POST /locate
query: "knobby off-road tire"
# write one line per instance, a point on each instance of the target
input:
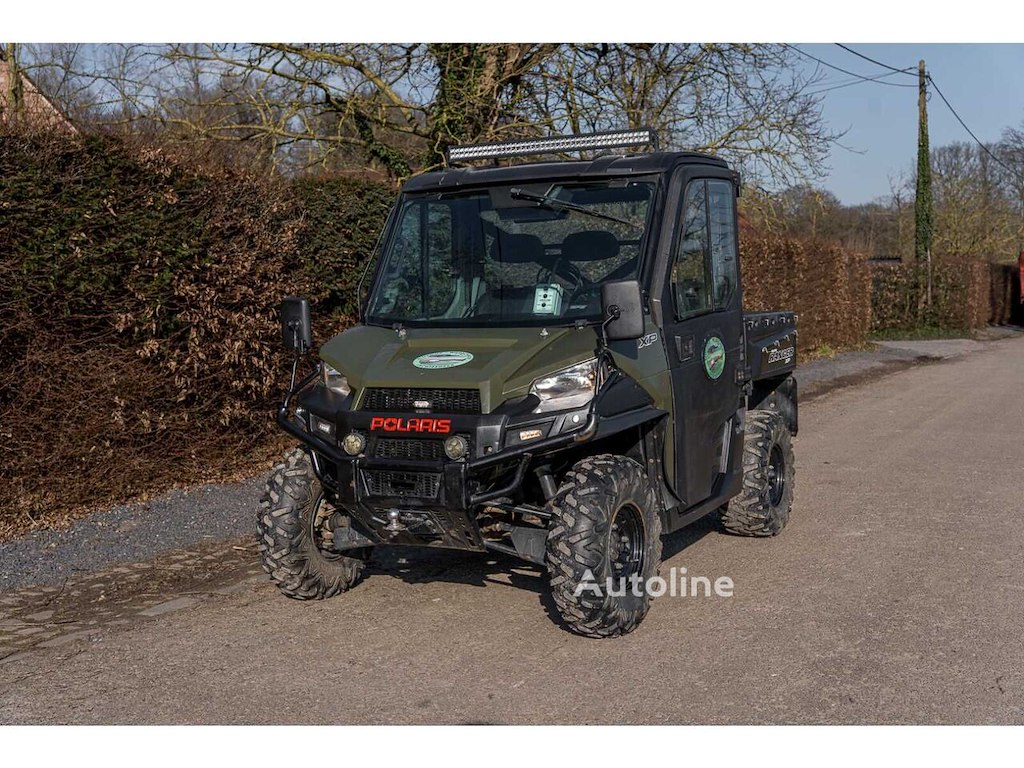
(762, 506)
(288, 550)
(600, 499)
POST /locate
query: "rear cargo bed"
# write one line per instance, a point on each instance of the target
(771, 343)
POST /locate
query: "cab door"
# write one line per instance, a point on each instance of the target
(704, 332)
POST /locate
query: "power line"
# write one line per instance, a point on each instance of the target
(960, 120)
(907, 71)
(863, 78)
(857, 81)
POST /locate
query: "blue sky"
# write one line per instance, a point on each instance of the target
(983, 82)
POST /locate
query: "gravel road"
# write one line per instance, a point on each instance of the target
(129, 533)
(894, 596)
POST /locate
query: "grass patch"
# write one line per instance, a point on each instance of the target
(918, 333)
(822, 350)
(828, 352)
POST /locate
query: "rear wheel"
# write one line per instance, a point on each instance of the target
(762, 506)
(295, 526)
(603, 545)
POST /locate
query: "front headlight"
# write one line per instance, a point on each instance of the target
(334, 380)
(569, 388)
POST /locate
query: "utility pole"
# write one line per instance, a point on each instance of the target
(923, 201)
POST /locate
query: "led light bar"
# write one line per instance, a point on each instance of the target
(575, 143)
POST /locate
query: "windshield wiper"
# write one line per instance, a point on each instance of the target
(561, 205)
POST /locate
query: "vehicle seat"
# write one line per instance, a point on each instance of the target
(600, 247)
(513, 249)
(692, 296)
(595, 245)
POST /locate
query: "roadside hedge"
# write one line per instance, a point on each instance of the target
(138, 331)
(342, 218)
(828, 286)
(959, 298)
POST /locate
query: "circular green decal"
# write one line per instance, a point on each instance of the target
(714, 357)
(433, 360)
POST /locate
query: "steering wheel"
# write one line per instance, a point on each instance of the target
(581, 284)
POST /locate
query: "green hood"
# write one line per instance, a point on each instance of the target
(505, 360)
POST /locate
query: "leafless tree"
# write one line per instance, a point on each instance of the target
(1011, 151)
(745, 102)
(394, 107)
(974, 203)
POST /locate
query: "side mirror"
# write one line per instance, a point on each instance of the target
(296, 331)
(622, 307)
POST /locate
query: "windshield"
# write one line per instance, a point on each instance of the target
(517, 254)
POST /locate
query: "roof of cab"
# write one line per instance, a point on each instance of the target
(606, 165)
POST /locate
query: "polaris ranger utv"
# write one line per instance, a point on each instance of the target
(552, 362)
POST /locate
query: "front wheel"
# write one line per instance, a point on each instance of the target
(603, 546)
(295, 526)
(763, 504)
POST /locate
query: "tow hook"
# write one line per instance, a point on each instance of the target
(394, 526)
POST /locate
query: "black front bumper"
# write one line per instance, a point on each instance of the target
(424, 502)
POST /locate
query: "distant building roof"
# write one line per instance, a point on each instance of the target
(36, 109)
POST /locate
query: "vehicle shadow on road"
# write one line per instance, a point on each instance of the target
(477, 569)
(423, 565)
(481, 569)
(675, 543)
(419, 565)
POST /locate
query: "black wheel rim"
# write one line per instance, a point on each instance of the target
(627, 543)
(776, 476)
(320, 531)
